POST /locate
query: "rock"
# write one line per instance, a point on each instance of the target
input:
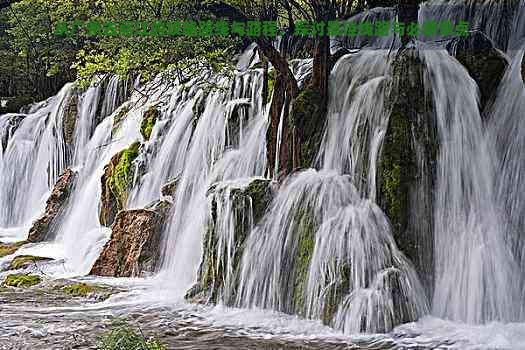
(308, 115)
(407, 165)
(69, 120)
(134, 246)
(21, 281)
(116, 181)
(8, 249)
(211, 279)
(148, 121)
(170, 188)
(22, 261)
(43, 227)
(119, 118)
(484, 62)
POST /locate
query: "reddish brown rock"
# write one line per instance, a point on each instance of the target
(134, 244)
(43, 227)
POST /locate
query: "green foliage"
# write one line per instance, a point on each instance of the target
(122, 336)
(21, 280)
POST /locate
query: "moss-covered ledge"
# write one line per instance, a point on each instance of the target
(21, 280)
(116, 182)
(148, 121)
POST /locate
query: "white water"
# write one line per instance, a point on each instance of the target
(479, 201)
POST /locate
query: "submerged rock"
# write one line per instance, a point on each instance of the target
(116, 181)
(8, 249)
(22, 261)
(234, 211)
(484, 62)
(55, 204)
(134, 246)
(407, 165)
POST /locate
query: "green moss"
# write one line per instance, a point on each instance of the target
(307, 116)
(8, 249)
(304, 231)
(22, 260)
(148, 121)
(120, 178)
(79, 289)
(121, 336)
(21, 280)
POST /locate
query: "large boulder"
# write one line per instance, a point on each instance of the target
(134, 246)
(243, 207)
(42, 228)
(484, 62)
(407, 165)
(116, 182)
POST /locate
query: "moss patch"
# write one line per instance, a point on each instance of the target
(23, 260)
(79, 289)
(21, 280)
(308, 118)
(271, 83)
(8, 249)
(148, 121)
(304, 231)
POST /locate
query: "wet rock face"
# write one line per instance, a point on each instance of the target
(407, 165)
(116, 181)
(484, 62)
(70, 118)
(251, 200)
(43, 227)
(148, 121)
(170, 187)
(133, 249)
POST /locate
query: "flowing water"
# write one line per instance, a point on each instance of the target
(356, 278)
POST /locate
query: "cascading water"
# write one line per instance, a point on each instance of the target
(323, 249)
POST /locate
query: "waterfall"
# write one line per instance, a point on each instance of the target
(325, 248)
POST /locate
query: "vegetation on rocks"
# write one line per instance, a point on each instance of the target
(21, 280)
(78, 289)
(116, 180)
(148, 121)
(122, 336)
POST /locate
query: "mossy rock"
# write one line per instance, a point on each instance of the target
(25, 260)
(484, 62)
(78, 289)
(304, 231)
(8, 249)
(148, 121)
(116, 181)
(70, 117)
(21, 280)
(308, 117)
(271, 83)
